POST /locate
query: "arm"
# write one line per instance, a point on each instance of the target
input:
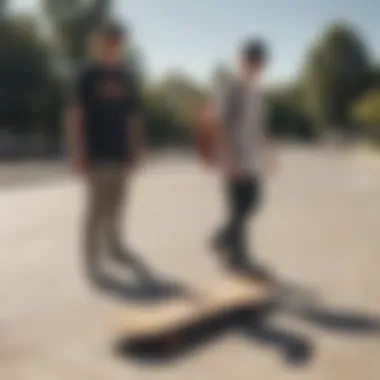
(135, 126)
(73, 125)
(224, 113)
(74, 137)
(270, 157)
(265, 147)
(137, 137)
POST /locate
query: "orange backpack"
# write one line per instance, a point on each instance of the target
(207, 132)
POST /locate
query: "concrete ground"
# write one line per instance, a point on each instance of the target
(319, 230)
(14, 174)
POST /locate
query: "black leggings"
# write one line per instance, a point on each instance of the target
(243, 198)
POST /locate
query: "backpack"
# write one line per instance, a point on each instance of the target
(207, 132)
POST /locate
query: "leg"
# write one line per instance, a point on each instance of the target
(243, 195)
(113, 223)
(116, 179)
(93, 224)
(242, 198)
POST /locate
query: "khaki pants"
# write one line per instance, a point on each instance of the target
(105, 193)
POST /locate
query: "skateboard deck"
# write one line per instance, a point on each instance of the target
(166, 322)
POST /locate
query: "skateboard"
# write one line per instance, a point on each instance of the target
(167, 324)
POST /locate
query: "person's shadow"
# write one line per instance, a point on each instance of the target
(306, 306)
(146, 284)
(252, 324)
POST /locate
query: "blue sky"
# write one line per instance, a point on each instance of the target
(193, 35)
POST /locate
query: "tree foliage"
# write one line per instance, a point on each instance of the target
(287, 118)
(334, 74)
(3, 7)
(220, 76)
(72, 21)
(25, 73)
(366, 110)
(172, 105)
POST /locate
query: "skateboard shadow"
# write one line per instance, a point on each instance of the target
(295, 347)
(184, 341)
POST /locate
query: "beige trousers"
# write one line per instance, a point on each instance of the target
(105, 197)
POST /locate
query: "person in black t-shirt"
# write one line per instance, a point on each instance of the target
(104, 140)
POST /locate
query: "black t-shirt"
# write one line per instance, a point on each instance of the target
(108, 97)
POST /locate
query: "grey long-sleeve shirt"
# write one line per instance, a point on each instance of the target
(241, 110)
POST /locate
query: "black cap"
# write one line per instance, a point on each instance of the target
(255, 51)
(112, 29)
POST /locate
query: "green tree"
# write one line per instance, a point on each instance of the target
(135, 61)
(334, 74)
(3, 7)
(25, 75)
(366, 111)
(72, 21)
(172, 105)
(286, 116)
(220, 76)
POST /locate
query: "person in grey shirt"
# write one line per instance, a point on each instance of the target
(240, 111)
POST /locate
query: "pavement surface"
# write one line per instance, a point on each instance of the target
(14, 174)
(319, 229)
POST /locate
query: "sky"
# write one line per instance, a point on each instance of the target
(194, 35)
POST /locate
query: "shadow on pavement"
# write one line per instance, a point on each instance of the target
(306, 306)
(157, 290)
(295, 347)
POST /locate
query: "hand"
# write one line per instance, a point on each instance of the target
(236, 174)
(79, 166)
(232, 170)
(270, 164)
(136, 160)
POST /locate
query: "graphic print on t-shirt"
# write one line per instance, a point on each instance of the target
(110, 89)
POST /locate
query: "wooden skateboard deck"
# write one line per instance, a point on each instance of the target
(166, 322)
